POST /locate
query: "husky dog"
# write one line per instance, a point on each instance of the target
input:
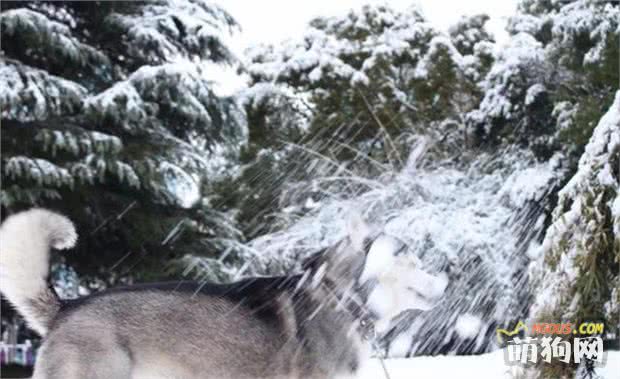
(310, 325)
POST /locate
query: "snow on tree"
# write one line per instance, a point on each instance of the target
(558, 52)
(577, 273)
(367, 69)
(364, 83)
(108, 112)
(518, 66)
(30, 94)
(468, 32)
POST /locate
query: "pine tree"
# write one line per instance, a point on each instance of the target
(108, 115)
(367, 77)
(355, 86)
(468, 32)
(344, 69)
(554, 78)
(578, 276)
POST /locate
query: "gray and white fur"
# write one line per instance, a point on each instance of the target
(299, 326)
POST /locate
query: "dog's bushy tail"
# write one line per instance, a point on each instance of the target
(25, 242)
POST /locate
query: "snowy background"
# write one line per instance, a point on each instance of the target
(222, 140)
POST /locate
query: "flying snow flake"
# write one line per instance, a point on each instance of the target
(468, 325)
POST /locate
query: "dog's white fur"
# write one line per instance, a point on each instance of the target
(25, 241)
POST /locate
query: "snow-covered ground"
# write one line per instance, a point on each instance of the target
(483, 366)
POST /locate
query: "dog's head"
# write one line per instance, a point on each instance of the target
(377, 268)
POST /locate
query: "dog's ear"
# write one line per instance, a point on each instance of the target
(358, 231)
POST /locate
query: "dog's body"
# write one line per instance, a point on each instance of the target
(301, 326)
(258, 328)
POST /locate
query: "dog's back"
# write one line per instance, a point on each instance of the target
(172, 330)
(258, 328)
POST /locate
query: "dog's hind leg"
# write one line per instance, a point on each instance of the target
(62, 361)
